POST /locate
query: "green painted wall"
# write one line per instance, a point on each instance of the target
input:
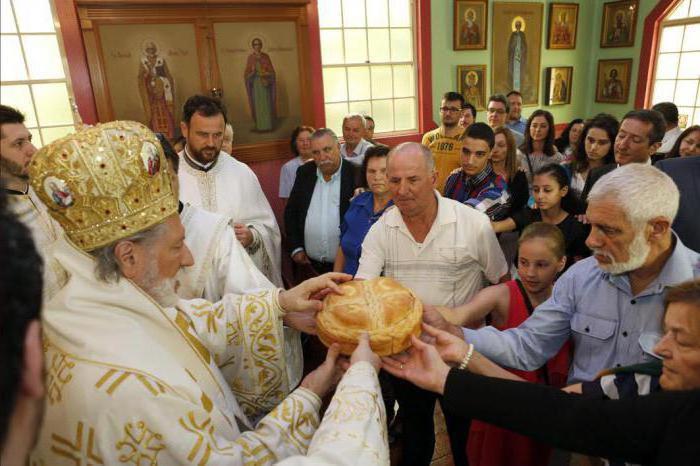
(584, 58)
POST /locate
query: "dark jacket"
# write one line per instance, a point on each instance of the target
(657, 429)
(593, 176)
(300, 199)
(685, 171)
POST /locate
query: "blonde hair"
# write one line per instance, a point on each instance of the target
(548, 232)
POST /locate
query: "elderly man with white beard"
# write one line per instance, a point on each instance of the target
(610, 304)
(133, 372)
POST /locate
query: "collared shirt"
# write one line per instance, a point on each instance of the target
(610, 326)
(669, 140)
(459, 254)
(487, 192)
(322, 227)
(196, 164)
(356, 223)
(288, 174)
(518, 125)
(358, 155)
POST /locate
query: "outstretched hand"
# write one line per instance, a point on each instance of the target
(433, 317)
(364, 352)
(325, 376)
(451, 349)
(420, 365)
(307, 296)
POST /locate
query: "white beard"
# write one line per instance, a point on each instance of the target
(638, 252)
(163, 290)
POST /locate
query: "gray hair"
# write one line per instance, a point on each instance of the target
(356, 116)
(321, 132)
(417, 147)
(642, 191)
(106, 266)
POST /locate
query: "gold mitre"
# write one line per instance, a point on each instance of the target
(104, 183)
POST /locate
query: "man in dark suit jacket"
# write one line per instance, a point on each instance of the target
(685, 171)
(318, 201)
(640, 136)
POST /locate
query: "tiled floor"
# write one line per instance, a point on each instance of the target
(442, 455)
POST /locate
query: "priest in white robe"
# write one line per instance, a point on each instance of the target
(16, 152)
(222, 266)
(217, 182)
(133, 372)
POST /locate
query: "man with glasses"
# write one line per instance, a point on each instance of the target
(497, 111)
(443, 141)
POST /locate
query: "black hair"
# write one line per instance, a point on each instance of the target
(9, 115)
(367, 117)
(514, 92)
(205, 106)
(480, 131)
(658, 124)
(548, 149)
(170, 154)
(21, 281)
(676, 149)
(668, 110)
(556, 171)
(295, 134)
(563, 141)
(500, 98)
(373, 152)
(469, 106)
(453, 96)
(607, 123)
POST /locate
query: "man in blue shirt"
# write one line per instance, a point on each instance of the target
(515, 121)
(610, 304)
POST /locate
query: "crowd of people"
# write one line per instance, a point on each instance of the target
(146, 279)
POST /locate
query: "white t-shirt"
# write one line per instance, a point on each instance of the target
(457, 257)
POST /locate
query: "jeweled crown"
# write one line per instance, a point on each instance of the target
(104, 183)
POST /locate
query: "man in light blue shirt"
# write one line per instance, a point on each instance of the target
(610, 304)
(515, 121)
(354, 144)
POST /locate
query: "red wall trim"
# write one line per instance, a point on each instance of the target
(77, 60)
(650, 41)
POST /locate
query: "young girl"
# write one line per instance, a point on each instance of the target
(595, 149)
(540, 259)
(555, 205)
(567, 143)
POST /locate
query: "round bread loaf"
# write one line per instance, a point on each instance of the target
(382, 307)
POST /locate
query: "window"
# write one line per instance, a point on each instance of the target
(677, 75)
(368, 61)
(32, 73)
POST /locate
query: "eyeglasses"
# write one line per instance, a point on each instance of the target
(496, 110)
(450, 109)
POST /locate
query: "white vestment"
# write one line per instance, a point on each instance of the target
(230, 188)
(128, 381)
(222, 266)
(45, 232)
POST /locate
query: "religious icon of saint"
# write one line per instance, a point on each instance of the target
(613, 86)
(621, 31)
(562, 33)
(58, 192)
(157, 90)
(472, 93)
(260, 83)
(470, 33)
(149, 155)
(560, 91)
(517, 55)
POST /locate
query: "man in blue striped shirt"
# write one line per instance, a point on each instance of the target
(610, 304)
